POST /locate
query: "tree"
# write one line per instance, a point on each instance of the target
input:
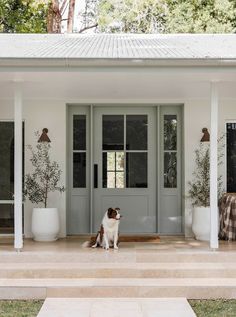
(167, 16)
(45, 175)
(141, 16)
(45, 16)
(71, 14)
(200, 16)
(64, 10)
(23, 16)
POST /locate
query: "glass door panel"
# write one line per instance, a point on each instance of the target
(7, 176)
(125, 166)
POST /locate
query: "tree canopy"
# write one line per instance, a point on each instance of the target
(167, 16)
(123, 16)
(23, 16)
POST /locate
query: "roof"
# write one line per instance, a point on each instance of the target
(116, 47)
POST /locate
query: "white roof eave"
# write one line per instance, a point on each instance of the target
(67, 63)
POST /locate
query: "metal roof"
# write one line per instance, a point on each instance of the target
(119, 47)
(70, 50)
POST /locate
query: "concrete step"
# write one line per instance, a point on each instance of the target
(120, 256)
(117, 270)
(191, 288)
(107, 307)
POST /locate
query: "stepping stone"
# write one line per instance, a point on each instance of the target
(116, 307)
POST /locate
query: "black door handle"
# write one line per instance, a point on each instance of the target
(95, 175)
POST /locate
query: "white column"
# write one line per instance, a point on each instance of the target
(91, 168)
(18, 238)
(214, 244)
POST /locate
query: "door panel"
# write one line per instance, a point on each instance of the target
(7, 176)
(170, 214)
(78, 215)
(125, 153)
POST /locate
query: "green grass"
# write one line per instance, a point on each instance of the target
(202, 308)
(214, 308)
(20, 308)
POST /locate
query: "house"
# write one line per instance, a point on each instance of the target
(124, 114)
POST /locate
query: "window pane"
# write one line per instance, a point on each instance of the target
(113, 170)
(79, 170)
(6, 218)
(231, 157)
(113, 132)
(79, 132)
(136, 132)
(170, 170)
(136, 170)
(170, 132)
(110, 159)
(120, 180)
(111, 180)
(6, 160)
(120, 156)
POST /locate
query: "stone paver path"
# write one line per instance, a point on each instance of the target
(116, 307)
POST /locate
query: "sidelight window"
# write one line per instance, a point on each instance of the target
(170, 151)
(79, 151)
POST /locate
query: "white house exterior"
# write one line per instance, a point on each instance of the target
(110, 98)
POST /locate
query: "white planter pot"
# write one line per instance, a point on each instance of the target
(45, 224)
(201, 224)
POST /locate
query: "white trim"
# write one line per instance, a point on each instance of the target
(91, 168)
(214, 244)
(3, 202)
(86, 64)
(18, 172)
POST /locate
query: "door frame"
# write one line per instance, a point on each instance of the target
(158, 107)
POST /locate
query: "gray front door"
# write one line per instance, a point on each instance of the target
(127, 157)
(125, 164)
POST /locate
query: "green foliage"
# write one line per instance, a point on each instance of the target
(199, 188)
(143, 16)
(45, 176)
(23, 16)
(200, 16)
(167, 16)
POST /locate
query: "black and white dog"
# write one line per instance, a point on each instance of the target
(109, 230)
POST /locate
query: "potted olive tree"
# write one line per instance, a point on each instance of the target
(44, 179)
(199, 190)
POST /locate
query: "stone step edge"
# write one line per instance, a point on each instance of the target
(122, 282)
(107, 265)
(188, 291)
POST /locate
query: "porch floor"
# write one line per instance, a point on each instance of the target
(74, 244)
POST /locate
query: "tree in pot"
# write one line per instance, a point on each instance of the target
(44, 179)
(199, 190)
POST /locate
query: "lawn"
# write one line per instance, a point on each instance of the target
(202, 308)
(214, 308)
(20, 308)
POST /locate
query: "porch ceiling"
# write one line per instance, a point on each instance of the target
(137, 84)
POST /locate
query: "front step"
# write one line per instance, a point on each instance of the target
(121, 256)
(194, 288)
(107, 307)
(117, 270)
